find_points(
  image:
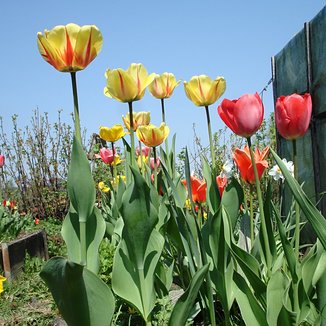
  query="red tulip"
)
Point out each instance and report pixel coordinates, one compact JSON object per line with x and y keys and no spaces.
{"x":2,"y":160}
{"x":244,"y":115}
{"x":243,"y":161}
{"x":221,"y":183}
{"x":292,"y":115}
{"x":198,"y":189}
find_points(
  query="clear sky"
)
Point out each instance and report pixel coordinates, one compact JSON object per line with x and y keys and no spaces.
{"x":234,"y":39}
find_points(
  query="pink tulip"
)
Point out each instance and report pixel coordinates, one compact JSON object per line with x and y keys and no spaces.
{"x":145,"y":151}
{"x":292,"y":115}
{"x":151,"y":162}
{"x":107,"y":155}
{"x":243,"y":116}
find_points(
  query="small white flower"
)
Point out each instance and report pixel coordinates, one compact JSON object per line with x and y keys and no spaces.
{"x":226,"y":170}
{"x":276,"y":172}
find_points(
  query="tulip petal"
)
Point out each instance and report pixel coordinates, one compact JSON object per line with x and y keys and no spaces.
{"x":121,"y":86}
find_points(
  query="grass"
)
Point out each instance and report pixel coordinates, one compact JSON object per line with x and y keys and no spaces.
{"x":27,"y":300}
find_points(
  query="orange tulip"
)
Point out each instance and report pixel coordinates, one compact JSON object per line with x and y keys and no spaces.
{"x":221,"y":183}
{"x":243,"y":161}
{"x":198,"y":189}
{"x":70,"y":48}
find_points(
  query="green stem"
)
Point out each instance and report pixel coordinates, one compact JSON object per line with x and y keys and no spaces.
{"x":247,"y":210}
{"x":210,"y":139}
{"x":83,"y":248}
{"x":296,"y":230}
{"x":155,"y":168}
{"x":261,"y":208}
{"x":76,"y":107}
{"x":252,"y":230}
{"x":132,"y":135}
{"x":297,"y":208}
{"x":166,"y":141}
{"x":113,"y":166}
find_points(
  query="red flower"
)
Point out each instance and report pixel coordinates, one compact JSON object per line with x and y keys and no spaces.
{"x":36,"y":221}
{"x":2,"y":160}
{"x":145,"y":151}
{"x":244,"y":115}
{"x":292,"y":115}
{"x":221,"y":183}
{"x":243,"y":161}
{"x":198,"y":189}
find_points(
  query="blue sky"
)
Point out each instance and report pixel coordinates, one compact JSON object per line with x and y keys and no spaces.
{"x":234,"y":39}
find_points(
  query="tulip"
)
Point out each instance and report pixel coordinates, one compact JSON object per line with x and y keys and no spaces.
{"x":127,"y":85}
{"x":142,"y":118}
{"x":70,"y":48}
{"x":203,"y":91}
{"x":103,"y":187}
{"x":107,"y":155}
{"x":244,"y":115}
{"x":152,"y":163}
{"x":2,"y":280}
{"x":112,"y":134}
{"x":151,"y":135}
{"x":292,"y":115}
{"x":144,"y":151}
{"x":163,"y":85}
{"x":243,"y":161}
{"x":198,"y":189}
{"x":2,"y":161}
{"x":221,"y":183}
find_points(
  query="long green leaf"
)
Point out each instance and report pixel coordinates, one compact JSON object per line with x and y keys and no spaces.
{"x":95,"y":230}
{"x":82,"y":297}
{"x":317,"y":221}
{"x":185,"y":303}
{"x":81,"y":188}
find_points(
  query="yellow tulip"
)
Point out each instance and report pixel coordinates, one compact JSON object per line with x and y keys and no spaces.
{"x":163,"y":85}
{"x":112,"y":134}
{"x":127,"y":85}
{"x":103,"y":187}
{"x":142,"y":118}
{"x":70,"y":48}
{"x":151,"y":135}
{"x":204,"y":91}
{"x":2,"y":279}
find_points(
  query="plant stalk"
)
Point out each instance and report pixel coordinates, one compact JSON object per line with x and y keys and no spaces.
{"x":76,"y":107}
{"x":297,"y":208}
{"x":210,"y":139}
{"x":132,"y":135}
{"x":166,"y":140}
{"x":155,"y":168}
{"x":261,"y":208}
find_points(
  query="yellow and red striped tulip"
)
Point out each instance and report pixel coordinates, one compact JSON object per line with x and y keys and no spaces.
{"x":112,"y":134}
{"x":151,"y":135}
{"x":203,"y":91}
{"x":70,"y":48}
{"x":127,"y":85}
{"x":142,"y":118}
{"x":163,"y":85}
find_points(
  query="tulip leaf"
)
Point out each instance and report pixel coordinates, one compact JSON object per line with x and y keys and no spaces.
{"x":276,"y":289}
{"x":212,"y":193}
{"x":82,"y":297}
{"x":95,"y":229}
{"x":139,"y":250}
{"x":317,"y":221}
{"x":81,"y":188}
{"x":232,"y":199}
{"x":251,"y":310}
{"x":185,"y":303}
{"x":287,"y":247}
